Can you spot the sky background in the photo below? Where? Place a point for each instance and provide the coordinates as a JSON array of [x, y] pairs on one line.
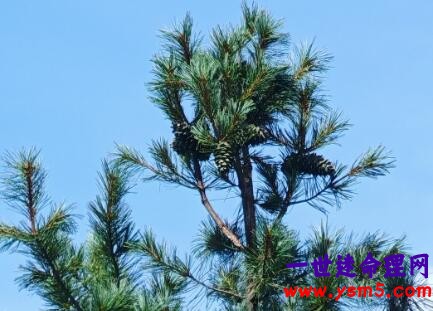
[[72, 83]]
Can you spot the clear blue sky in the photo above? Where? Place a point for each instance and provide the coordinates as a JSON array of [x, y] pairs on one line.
[[72, 83]]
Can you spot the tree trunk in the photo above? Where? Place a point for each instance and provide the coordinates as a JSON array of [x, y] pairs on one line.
[[244, 172], [248, 201]]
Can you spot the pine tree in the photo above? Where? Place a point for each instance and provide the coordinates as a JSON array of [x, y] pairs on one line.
[[253, 105], [100, 274], [104, 273], [248, 116]]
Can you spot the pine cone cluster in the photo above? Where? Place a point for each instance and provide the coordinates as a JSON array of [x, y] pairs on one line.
[[312, 164], [250, 135], [223, 157], [184, 142], [224, 151]]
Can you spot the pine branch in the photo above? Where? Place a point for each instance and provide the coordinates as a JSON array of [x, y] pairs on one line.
[[307, 61], [181, 40], [112, 227], [375, 162], [168, 87], [212, 242], [327, 131], [213, 214], [372, 164], [166, 169], [44, 239], [23, 184], [55, 273], [162, 259], [11, 236]]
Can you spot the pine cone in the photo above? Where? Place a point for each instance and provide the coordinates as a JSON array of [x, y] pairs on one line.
[[324, 167], [241, 138], [223, 157], [184, 142], [312, 164], [258, 135], [250, 135]]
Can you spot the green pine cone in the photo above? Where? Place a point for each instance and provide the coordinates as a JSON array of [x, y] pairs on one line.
[[184, 142], [223, 157], [250, 135], [241, 137]]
